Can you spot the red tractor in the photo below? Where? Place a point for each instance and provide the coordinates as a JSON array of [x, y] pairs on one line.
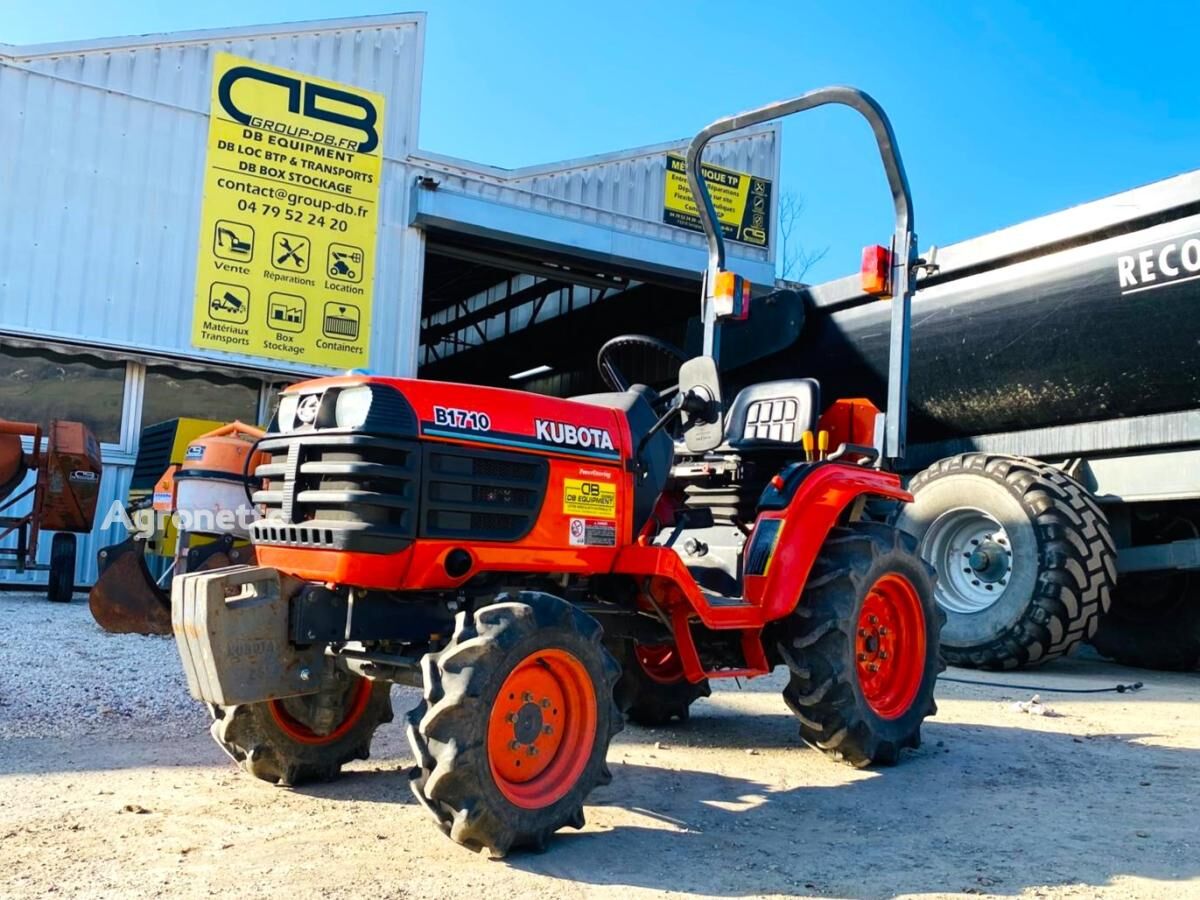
[[538, 566]]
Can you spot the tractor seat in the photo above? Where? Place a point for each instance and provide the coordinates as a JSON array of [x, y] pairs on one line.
[[634, 404], [772, 415]]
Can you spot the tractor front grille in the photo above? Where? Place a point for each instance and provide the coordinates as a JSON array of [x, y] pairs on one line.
[[482, 495], [338, 492]]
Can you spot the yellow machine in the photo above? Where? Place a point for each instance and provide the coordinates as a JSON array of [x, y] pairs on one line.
[[189, 510]]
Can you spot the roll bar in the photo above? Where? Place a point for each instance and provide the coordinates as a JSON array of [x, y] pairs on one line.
[[904, 241]]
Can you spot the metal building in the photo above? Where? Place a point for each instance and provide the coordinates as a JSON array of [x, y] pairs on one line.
[[481, 274]]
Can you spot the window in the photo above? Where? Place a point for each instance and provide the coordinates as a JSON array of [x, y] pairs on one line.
[[172, 393], [39, 386]]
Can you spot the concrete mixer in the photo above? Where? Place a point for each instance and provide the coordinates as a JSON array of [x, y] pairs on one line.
[[61, 498], [197, 517]]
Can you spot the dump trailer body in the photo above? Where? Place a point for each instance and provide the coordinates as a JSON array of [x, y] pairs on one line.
[[1080, 317], [1054, 385]]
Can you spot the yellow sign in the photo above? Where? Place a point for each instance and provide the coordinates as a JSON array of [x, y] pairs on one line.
[[743, 201], [286, 268], [589, 498]]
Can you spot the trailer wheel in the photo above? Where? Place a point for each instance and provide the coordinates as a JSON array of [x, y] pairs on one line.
[[61, 583], [1026, 565], [517, 715], [276, 741], [862, 646], [652, 690], [1154, 623]]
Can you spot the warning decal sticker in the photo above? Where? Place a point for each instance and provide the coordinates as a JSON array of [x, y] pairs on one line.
[[286, 267], [589, 498], [593, 533]]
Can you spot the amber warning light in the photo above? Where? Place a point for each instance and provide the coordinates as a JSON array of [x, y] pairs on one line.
[[731, 298], [876, 271]]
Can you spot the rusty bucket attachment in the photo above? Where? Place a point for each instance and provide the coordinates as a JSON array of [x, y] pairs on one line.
[[127, 600]]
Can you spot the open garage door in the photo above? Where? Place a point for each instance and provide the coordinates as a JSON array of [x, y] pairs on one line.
[[505, 315]]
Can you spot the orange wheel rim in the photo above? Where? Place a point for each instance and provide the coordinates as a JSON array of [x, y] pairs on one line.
[[890, 646], [295, 729], [660, 662], [542, 728]]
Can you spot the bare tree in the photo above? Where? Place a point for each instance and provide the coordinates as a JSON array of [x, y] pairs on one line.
[[794, 260]]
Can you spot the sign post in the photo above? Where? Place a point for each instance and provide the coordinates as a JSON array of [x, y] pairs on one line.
[[286, 267]]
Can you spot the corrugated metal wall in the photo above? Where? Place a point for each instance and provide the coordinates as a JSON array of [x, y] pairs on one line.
[[101, 172], [622, 191], [631, 183]]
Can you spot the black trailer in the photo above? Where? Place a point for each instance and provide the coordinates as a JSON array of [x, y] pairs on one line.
[[1054, 415]]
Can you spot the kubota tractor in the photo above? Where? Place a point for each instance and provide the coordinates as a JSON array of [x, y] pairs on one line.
[[536, 564]]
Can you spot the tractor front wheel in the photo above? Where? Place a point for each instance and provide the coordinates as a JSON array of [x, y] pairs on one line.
[[517, 715], [308, 738], [653, 690], [862, 646]]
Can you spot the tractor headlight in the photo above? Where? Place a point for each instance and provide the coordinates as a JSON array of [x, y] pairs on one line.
[[353, 405], [287, 411]]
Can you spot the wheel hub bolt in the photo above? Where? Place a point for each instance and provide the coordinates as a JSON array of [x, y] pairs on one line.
[[545, 703], [514, 745], [883, 630], [874, 620], [547, 729], [883, 654], [532, 751], [527, 697]]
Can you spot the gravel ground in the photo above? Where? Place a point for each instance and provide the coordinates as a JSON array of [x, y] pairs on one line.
[[61, 676], [111, 787]]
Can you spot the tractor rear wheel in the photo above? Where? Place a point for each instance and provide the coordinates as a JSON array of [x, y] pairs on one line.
[[309, 738], [862, 646], [517, 715], [653, 690]]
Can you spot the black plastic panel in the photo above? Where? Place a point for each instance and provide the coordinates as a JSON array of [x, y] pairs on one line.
[[479, 494], [338, 491]]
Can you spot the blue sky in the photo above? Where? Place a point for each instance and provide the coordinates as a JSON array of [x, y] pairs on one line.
[[1004, 110]]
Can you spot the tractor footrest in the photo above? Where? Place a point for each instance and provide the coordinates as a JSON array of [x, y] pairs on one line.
[[689, 656], [720, 601]]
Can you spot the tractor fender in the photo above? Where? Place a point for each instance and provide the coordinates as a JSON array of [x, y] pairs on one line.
[[787, 539]]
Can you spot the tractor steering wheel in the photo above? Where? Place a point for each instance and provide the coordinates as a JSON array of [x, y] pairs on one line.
[[615, 378]]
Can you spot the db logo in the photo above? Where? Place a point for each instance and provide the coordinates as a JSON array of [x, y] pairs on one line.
[[589, 489], [302, 99]]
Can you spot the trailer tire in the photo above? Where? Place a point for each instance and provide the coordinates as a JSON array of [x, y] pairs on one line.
[[868, 593], [1027, 566], [268, 740], [1163, 633], [61, 583], [652, 690], [523, 678]]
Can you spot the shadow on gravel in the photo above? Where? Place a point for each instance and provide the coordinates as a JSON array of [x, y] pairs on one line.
[[388, 783], [720, 731], [1004, 810]]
